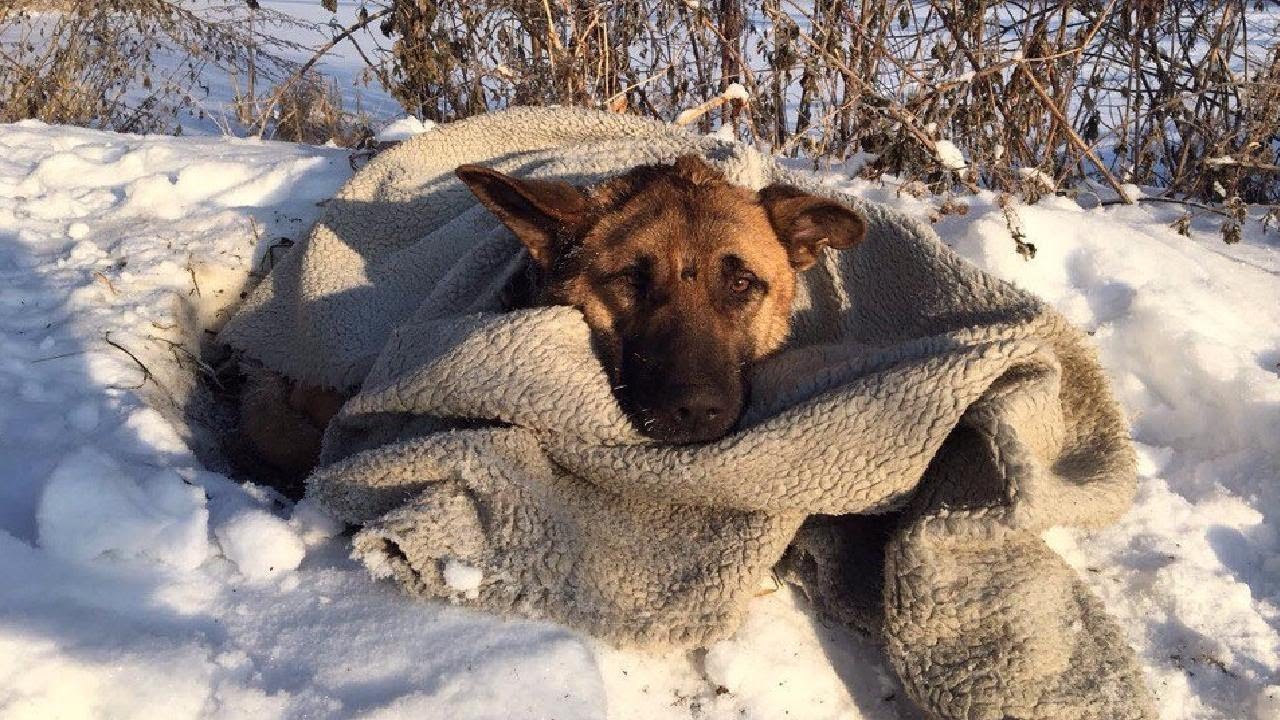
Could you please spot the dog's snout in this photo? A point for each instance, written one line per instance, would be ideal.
(694, 413)
(682, 384)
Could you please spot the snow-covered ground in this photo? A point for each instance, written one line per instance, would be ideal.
(140, 584)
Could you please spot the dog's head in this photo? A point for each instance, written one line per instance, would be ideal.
(683, 278)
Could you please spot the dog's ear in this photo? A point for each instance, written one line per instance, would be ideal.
(539, 212)
(807, 223)
(696, 170)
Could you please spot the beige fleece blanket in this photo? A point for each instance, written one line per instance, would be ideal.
(929, 421)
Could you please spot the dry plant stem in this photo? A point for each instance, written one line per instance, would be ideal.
(59, 356)
(691, 115)
(896, 111)
(97, 64)
(378, 71)
(553, 42)
(652, 78)
(146, 371)
(105, 281)
(835, 78)
(1171, 201)
(1076, 140)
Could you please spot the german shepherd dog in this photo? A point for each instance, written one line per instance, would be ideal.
(684, 279)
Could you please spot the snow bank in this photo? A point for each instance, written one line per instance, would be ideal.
(1189, 331)
(152, 587)
(312, 523)
(92, 508)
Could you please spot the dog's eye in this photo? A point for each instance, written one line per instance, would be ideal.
(631, 280)
(742, 282)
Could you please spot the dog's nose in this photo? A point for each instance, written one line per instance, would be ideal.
(698, 409)
(695, 414)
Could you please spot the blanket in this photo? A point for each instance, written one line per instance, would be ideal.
(898, 459)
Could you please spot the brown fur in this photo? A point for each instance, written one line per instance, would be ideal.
(683, 278)
(284, 421)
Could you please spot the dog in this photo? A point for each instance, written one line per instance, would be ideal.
(684, 279)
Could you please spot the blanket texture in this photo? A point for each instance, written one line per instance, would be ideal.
(898, 460)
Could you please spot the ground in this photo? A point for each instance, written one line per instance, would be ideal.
(144, 584)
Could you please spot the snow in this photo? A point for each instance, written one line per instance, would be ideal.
(260, 544)
(725, 133)
(403, 129)
(1268, 705)
(949, 155)
(1037, 176)
(1131, 191)
(463, 577)
(736, 91)
(687, 116)
(789, 679)
(92, 508)
(148, 585)
(312, 523)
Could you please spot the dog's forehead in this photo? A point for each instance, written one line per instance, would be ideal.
(690, 222)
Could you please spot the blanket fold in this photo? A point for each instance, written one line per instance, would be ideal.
(923, 424)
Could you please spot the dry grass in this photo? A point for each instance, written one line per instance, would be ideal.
(129, 65)
(1153, 92)
(44, 5)
(310, 110)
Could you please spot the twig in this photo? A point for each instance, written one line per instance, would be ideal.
(195, 283)
(896, 111)
(257, 234)
(105, 281)
(1175, 201)
(656, 75)
(689, 116)
(378, 71)
(553, 41)
(177, 347)
(146, 371)
(59, 356)
(1075, 138)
